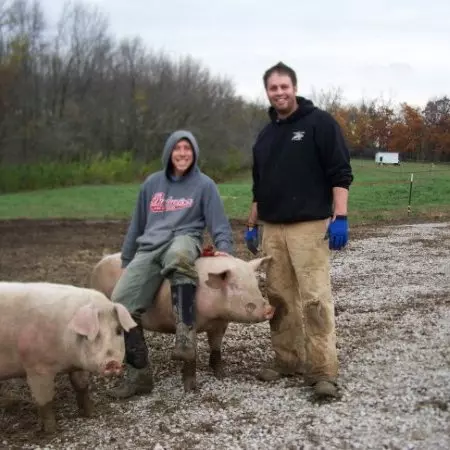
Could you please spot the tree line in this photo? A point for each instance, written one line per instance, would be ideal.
(376, 125)
(71, 91)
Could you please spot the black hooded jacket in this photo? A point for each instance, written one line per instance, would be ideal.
(296, 163)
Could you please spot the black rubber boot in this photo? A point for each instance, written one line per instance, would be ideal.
(138, 377)
(183, 303)
(136, 351)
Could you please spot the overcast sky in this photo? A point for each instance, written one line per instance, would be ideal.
(397, 49)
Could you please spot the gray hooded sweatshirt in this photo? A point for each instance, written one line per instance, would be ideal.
(168, 207)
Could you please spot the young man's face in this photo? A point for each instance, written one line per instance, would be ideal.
(281, 93)
(182, 157)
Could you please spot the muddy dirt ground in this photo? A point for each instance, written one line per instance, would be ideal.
(62, 252)
(65, 252)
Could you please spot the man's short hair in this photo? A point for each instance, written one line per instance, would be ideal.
(283, 69)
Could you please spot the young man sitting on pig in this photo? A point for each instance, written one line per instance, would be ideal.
(164, 239)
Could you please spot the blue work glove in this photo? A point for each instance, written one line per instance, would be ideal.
(337, 233)
(252, 239)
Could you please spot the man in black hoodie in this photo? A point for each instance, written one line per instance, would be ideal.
(301, 179)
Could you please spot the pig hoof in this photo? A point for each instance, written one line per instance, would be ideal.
(190, 384)
(189, 376)
(87, 413)
(216, 364)
(219, 371)
(48, 429)
(48, 426)
(86, 408)
(45, 433)
(47, 418)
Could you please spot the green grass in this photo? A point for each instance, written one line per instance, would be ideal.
(378, 193)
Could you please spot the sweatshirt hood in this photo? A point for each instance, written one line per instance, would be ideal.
(170, 144)
(305, 107)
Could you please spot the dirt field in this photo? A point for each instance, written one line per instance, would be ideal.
(392, 295)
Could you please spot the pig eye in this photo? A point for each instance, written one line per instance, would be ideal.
(119, 331)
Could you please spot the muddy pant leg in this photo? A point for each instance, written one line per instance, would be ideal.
(178, 261)
(139, 282)
(136, 290)
(179, 267)
(310, 255)
(282, 291)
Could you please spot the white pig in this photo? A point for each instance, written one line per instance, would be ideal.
(227, 291)
(47, 328)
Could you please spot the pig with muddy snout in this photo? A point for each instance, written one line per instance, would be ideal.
(227, 291)
(47, 329)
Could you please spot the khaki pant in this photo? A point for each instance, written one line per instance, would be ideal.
(298, 285)
(140, 282)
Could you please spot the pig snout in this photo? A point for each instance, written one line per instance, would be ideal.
(112, 368)
(269, 311)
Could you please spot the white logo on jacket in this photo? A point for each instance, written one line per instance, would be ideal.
(297, 135)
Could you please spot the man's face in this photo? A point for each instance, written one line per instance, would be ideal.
(182, 157)
(281, 93)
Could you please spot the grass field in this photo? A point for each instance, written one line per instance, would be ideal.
(378, 193)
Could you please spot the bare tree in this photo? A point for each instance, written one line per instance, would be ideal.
(330, 100)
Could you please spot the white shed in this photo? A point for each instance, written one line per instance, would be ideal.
(387, 158)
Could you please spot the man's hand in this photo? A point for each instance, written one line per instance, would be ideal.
(251, 238)
(209, 251)
(337, 233)
(217, 253)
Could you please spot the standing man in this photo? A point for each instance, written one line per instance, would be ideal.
(301, 178)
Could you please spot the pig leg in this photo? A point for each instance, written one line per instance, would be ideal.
(80, 383)
(215, 337)
(42, 389)
(189, 375)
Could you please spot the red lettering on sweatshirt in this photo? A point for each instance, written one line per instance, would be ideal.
(159, 203)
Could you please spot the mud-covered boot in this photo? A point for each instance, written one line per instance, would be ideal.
(135, 382)
(183, 303)
(138, 377)
(325, 389)
(275, 370)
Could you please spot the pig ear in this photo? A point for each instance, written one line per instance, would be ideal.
(125, 319)
(218, 280)
(256, 263)
(85, 322)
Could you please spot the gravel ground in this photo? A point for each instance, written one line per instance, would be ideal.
(392, 293)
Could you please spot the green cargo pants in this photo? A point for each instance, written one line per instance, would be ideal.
(141, 280)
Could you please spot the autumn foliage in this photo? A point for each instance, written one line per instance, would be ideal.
(417, 133)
